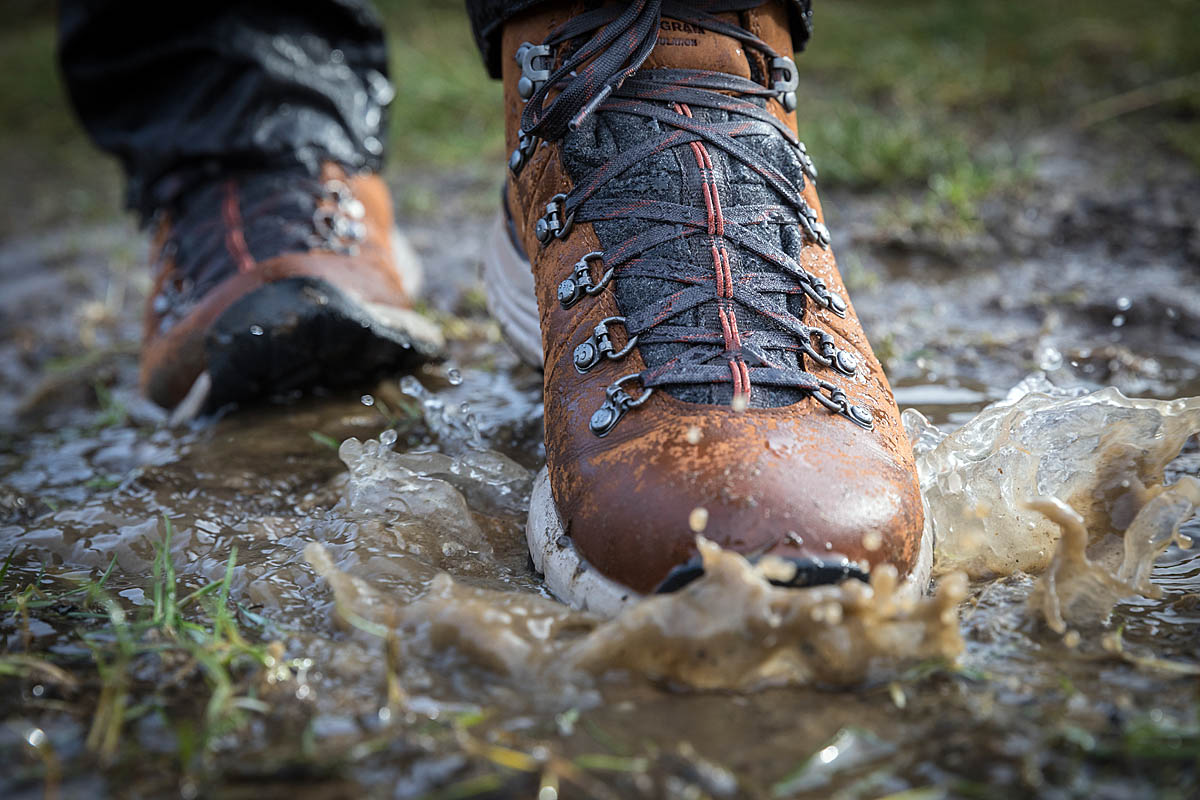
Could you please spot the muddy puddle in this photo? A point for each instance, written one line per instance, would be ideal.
(331, 597)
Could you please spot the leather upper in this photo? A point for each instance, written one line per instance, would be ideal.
(793, 480)
(173, 346)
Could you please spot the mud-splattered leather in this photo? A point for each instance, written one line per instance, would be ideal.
(173, 351)
(794, 480)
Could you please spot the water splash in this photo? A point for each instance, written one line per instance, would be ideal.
(1078, 590)
(454, 431)
(732, 629)
(1103, 454)
(1058, 481)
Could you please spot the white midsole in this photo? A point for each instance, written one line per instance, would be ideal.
(510, 294)
(569, 577)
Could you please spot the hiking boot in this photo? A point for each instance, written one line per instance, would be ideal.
(704, 369)
(267, 282)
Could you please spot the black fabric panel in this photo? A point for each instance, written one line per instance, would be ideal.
(673, 176)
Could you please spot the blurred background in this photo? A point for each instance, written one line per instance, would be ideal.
(1012, 187)
(957, 140)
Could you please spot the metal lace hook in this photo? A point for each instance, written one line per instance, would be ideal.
(556, 223)
(573, 289)
(599, 346)
(839, 404)
(616, 403)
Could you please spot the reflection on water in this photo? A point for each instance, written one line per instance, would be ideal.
(397, 573)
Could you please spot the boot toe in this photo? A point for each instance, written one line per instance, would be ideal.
(819, 492)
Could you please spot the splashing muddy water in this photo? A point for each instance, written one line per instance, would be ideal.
(355, 613)
(733, 629)
(397, 588)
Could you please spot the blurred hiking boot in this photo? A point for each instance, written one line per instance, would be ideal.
(704, 370)
(268, 282)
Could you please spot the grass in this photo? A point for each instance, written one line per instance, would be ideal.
(182, 657)
(447, 113)
(908, 97)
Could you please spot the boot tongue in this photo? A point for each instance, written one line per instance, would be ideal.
(682, 45)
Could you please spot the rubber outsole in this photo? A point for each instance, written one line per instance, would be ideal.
(299, 333)
(569, 577)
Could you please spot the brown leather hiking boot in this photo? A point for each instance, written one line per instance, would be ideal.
(703, 367)
(272, 281)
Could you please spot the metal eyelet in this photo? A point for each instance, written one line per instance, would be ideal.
(556, 224)
(531, 76)
(324, 222)
(829, 356)
(526, 144)
(806, 162)
(813, 227)
(339, 190)
(573, 289)
(816, 289)
(841, 360)
(616, 402)
(599, 346)
(837, 403)
(786, 86)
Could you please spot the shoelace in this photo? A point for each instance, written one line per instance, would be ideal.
(227, 226)
(603, 75)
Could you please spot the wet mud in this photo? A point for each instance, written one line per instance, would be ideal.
(330, 595)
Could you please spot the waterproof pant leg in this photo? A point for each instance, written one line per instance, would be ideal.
(181, 92)
(178, 91)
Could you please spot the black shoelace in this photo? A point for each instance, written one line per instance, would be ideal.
(603, 75)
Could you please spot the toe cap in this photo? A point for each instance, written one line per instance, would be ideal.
(800, 486)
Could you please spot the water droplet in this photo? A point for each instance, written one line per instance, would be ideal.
(411, 386)
(256, 330)
(1118, 320)
(36, 737)
(1123, 303)
(1071, 639)
(1050, 359)
(872, 540)
(302, 691)
(388, 438)
(385, 714)
(547, 793)
(38, 690)
(367, 400)
(693, 435)
(740, 403)
(828, 754)
(698, 519)
(454, 377)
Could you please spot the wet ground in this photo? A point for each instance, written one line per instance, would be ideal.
(268, 680)
(253, 606)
